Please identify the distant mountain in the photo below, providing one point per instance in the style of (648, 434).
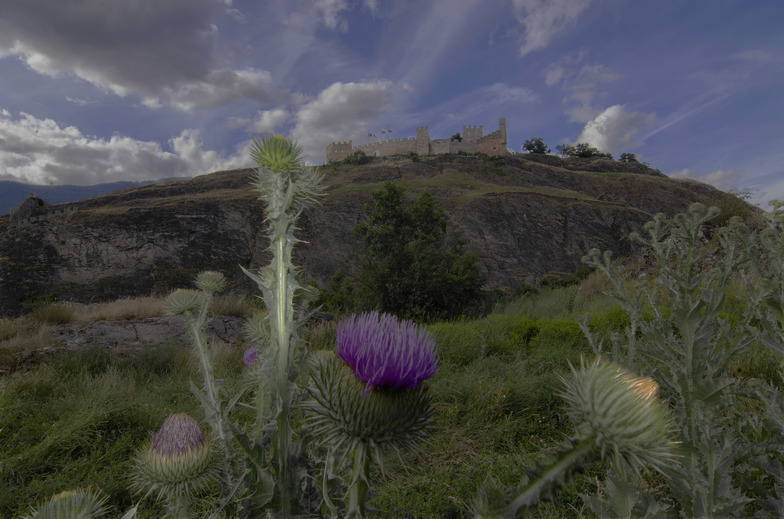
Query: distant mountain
(528, 216)
(13, 193)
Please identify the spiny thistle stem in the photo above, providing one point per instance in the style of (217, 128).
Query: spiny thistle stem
(357, 494)
(287, 187)
(282, 318)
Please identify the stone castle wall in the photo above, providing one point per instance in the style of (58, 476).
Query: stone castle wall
(473, 141)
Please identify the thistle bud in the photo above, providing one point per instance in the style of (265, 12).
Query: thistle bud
(183, 302)
(72, 504)
(177, 461)
(276, 152)
(251, 355)
(210, 282)
(622, 412)
(343, 415)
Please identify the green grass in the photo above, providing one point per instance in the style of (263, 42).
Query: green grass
(76, 418)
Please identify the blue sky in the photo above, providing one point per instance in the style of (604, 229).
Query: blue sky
(94, 92)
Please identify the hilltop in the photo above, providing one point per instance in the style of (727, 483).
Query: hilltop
(527, 215)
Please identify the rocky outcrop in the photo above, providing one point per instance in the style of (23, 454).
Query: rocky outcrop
(155, 330)
(527, 215)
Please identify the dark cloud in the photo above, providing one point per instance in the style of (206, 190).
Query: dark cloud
(161, 51)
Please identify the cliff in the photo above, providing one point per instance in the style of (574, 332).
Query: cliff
(527, 215)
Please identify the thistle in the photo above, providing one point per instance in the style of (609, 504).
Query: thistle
(385, 352)
(251, 355)
(370, 397)
(177, 462)
(622, 413)
(72, 504)
(617, 413)
(287, 187)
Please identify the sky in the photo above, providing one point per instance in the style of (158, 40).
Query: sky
(95, 91)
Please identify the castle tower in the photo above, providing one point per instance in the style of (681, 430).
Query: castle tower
(338, 150)
(502, 131)
(494, 143)
(472, 133)
(423, 140)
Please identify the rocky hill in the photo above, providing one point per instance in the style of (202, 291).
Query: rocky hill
(527, 215)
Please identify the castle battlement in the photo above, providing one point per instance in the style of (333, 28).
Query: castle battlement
(473, 141)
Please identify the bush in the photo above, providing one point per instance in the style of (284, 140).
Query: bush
(338, 298)
(582, 150)
(356, 158)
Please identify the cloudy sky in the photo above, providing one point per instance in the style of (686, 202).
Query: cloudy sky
(95, 91)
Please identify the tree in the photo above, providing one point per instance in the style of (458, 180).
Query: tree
(628, 157)
(456, 137)
(409, 267)
(581, 149)
(356, 158)
(536, 145)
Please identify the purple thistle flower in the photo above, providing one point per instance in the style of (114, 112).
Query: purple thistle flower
(251, 355)
(386, 352)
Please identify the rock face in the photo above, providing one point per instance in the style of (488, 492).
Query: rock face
(527, 215)
(155, 330)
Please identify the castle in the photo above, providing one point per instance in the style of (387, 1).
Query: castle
(474, 141)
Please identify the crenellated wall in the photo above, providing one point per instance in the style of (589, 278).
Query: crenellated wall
(473, 141)
(338, 150)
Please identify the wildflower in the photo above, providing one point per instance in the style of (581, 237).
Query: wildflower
(623, 412)
(386, 353)
(251, 355)
(177, 460)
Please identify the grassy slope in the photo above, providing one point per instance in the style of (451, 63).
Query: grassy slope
(75, 419)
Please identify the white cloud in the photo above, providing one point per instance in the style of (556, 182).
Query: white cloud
(544, 19)
(372, 5)
(342, 111)
(330, 13)
(615, 130)
(583, 82)
(553, 75)
(164, 52)
(724, 179)
(219, 87)
(40, 151)
(265, 121)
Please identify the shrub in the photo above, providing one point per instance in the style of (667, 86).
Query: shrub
(582, 150)
(357, 158)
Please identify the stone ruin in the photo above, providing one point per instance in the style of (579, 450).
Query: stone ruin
(474, 141)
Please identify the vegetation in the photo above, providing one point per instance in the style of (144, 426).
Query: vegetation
(536, 145)
(495, 398)
(582, 150)
(357, 158)
(678, 410)
(433, 278)
(628, 157)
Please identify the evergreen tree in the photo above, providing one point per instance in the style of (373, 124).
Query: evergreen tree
(409, 267)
